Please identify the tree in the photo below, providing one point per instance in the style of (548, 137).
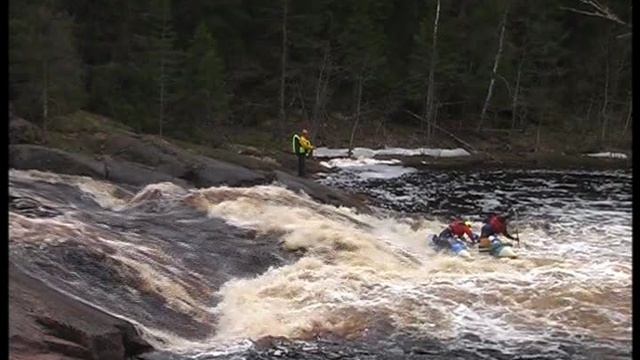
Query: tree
(363, 46)
(311, 60)
(496, 63)
(429, 103)
(162, 59)
(202, 86)
(283, 68)
(595, 8)
(44, 67)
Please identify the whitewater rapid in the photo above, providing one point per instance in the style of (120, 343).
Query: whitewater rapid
(351, 273)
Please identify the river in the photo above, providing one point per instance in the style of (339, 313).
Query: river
(203, 273)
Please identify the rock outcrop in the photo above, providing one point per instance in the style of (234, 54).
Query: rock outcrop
(25, 157)
(47, 324)
(22, 131)
(139, 162)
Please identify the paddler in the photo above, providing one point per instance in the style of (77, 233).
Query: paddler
(302, 148)
(455, 232)
(495, 225)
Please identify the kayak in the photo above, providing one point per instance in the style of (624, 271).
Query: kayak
(496, 247)
(457, 247)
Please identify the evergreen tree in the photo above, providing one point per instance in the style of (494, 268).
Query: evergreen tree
(162, 60)
(154, 65)
(44, 67)
(203, 98)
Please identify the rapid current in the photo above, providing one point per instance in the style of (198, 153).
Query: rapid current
(205, 273)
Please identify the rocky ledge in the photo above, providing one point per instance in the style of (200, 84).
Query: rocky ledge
(45, 323)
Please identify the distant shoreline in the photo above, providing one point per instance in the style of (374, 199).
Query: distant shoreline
(489, 161)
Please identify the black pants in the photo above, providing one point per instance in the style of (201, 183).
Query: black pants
(301, 165)
(486, 231)
(444, 239)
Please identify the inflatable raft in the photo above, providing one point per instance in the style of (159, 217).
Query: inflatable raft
(456, 247)
(496, 247)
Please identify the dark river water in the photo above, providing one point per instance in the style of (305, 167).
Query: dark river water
(209, 273)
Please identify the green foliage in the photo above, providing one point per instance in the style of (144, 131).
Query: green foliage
(203, 99)
(363, 41)
(194, 65)
(46, 73)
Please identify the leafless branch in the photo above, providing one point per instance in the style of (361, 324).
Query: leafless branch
(598, 10)
(506, 83)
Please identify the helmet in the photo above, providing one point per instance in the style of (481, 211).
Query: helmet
(468, 224)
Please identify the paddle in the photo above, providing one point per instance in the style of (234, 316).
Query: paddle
(517, 235)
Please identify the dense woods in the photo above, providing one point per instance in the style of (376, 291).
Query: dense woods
(183, 68)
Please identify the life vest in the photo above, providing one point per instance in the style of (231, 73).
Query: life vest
(458, 228)
(296, 145)
(300, 145)
(498, 225)
(305, 143)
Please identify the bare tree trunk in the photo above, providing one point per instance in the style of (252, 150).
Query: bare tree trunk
(523, 116)
(165, 15)
(322, 111)
(590, 107)
(319, 87)
(283, 65)
(628, 121)
(605, 101)
(514, 105)
(383, 128)
(432, 69)
(445, 131)
(616, 76)
(357, 115)
(496, 62)
(538, 137)
(45, 95)
(161, 120)
(537, 149)
(436, 107)
(302, 104)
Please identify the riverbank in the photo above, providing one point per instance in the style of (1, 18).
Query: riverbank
(94, 239)
(255, 147)
(98, 148)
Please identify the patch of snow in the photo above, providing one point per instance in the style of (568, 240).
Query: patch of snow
(360, 162)
(384, 172)
(453, 152)
(323, 152)
(608, 155)
(363, 152)
(367, 168)
(399, 151)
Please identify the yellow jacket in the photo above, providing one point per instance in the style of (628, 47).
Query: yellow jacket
(306, 144)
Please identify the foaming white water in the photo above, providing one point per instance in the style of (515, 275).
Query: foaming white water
(359, 269)
(154, 270)
(107, 195)
(352, 274)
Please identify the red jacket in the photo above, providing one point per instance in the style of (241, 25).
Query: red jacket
(458, 228)
(498, 225)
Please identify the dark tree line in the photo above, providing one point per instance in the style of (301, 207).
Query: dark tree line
(184, 67)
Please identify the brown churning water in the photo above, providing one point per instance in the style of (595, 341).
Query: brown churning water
(353, 272)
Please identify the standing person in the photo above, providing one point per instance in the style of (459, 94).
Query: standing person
(303, 148)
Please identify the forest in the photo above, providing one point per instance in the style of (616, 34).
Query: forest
(183, 69)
